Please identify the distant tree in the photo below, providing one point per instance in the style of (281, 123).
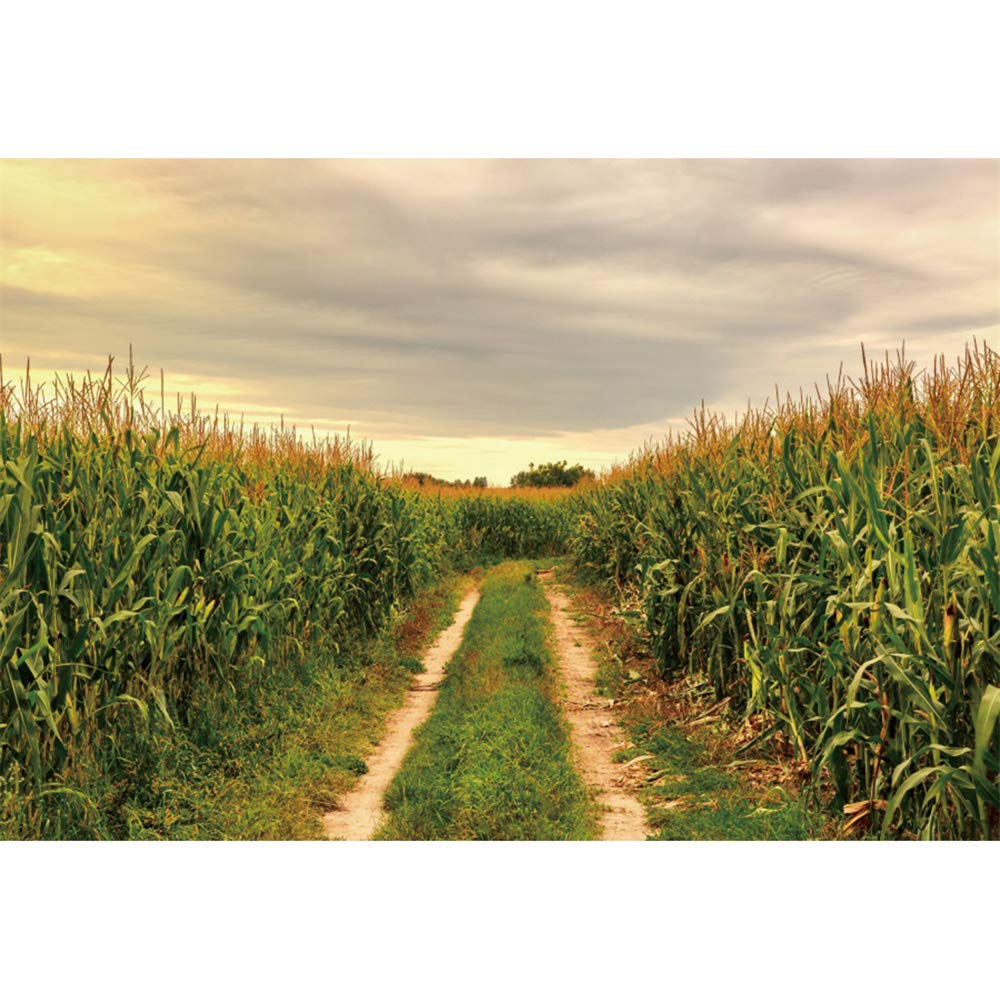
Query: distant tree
(423, 478)
(426, 479)
(552, 474)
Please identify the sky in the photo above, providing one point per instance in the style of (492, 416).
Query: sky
(471, 316)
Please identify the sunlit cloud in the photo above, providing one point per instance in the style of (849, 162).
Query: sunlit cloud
(470, 316)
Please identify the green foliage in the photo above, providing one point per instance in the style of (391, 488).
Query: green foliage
(261, 760)
(698, 800)
(551, 474)
(473, 528)
(837, 571)
(137, 570)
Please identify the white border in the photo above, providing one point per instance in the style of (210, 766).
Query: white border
(539, 79)
(555, 78)
(499, 920)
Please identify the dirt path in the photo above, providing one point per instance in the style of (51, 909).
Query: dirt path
(360, 811)
(595, 733)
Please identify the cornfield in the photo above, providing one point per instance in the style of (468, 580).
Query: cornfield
(494, 523)
(491, 527)
(147, 551)
(832, 565)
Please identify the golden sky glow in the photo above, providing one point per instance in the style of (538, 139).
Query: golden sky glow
(471, 316)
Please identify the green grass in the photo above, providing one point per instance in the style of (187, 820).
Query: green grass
(263, 763)
(493, 762)
(699, 800)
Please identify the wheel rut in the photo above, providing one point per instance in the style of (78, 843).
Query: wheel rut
(595, 733)
(360, 812)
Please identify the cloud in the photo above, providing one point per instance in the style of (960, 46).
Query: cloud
(491, 299)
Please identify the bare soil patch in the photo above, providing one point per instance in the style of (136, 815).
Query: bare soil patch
(595, 733)
(360, 811)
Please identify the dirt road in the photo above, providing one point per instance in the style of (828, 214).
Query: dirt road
(360, 812)
(595, 733)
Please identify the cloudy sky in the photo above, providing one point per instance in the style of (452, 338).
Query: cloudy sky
(469, 316)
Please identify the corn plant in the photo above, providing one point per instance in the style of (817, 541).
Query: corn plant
(834, 566)
(147, 552)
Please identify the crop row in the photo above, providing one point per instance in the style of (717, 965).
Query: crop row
(834, 569)
(141, 558)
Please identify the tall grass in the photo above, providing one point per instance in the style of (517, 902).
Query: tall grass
(833, 564)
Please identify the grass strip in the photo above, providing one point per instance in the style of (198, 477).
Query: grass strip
(494, 761)
(693, 797)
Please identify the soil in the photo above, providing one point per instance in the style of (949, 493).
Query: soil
(595, 733)
(360, 812)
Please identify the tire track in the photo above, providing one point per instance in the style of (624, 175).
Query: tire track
(594, 731)
(361, 811)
